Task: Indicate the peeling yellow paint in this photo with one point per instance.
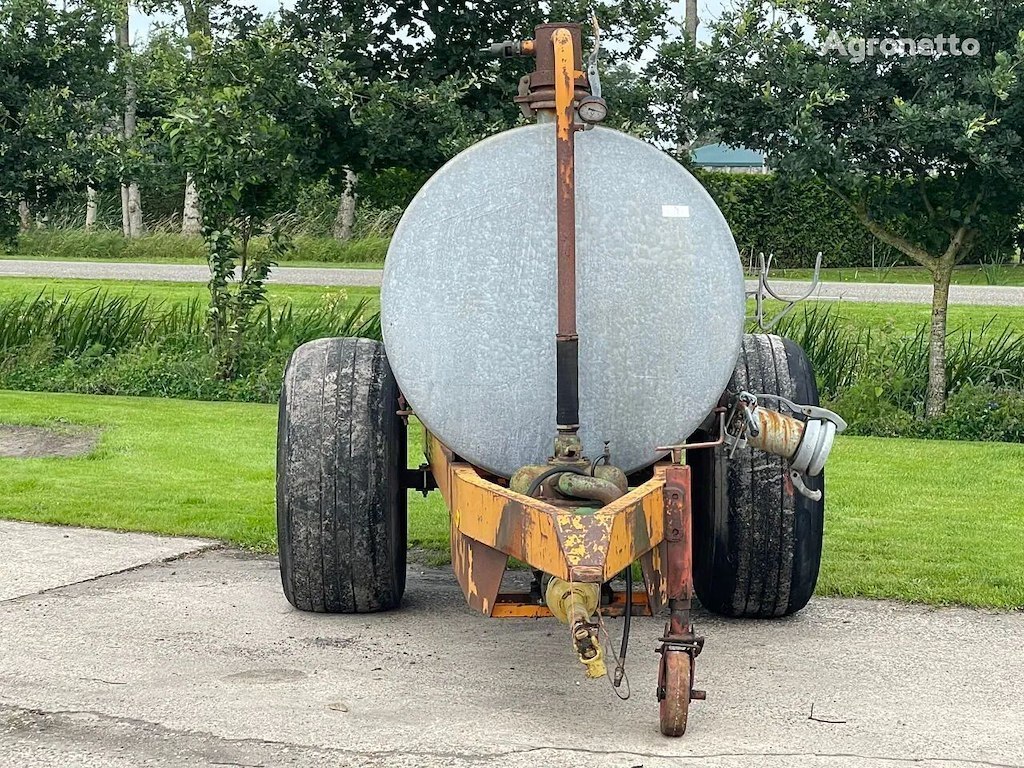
(548, 538)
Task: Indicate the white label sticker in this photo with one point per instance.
(675, 211)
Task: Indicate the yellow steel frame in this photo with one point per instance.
(490, 523)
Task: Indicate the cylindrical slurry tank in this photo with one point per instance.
(468, 303)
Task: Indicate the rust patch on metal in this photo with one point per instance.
(478, 569)
(651, 565)
(595, 545)
(678, 533)
(778, 433)
(565, 184)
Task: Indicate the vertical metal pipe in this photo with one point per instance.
(567, 351)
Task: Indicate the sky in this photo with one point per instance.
(141, 23)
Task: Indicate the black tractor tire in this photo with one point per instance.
(756, 539)
(341, 502)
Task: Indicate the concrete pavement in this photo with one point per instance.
(337, 276)
(37, 558)
(200, 661)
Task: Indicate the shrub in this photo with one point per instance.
(391, 187)
(980, 412)
(877, 379)
(366, 250)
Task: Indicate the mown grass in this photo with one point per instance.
(908, 318)
(928, 521)
(168, 293)
(925, 520)
(968, 274)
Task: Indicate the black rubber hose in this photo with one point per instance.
(567, 384)
(556, 470)
(627, 618)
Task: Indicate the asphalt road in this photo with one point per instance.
(198, 660)
(195, 273)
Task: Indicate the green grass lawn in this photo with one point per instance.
(931, 521)
(170, 293)
(903, 318)
(908, 318)
(1008, 274)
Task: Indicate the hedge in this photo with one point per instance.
(165, 246)
(795, 220)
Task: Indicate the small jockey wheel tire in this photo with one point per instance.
(676, 684)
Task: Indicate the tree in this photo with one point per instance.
(199, 28)
(691, 20)
(131, 198)
(197, 16)
(923, 144)
(243, 129)
(54, 71)
(417, 87)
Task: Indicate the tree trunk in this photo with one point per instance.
(935, 399)
(135, 211)
(191, 219)
(126, 227)
(346, 217)
(131, 199)
(90, 209)
(691, 21)
(197, 24)
(24, 217)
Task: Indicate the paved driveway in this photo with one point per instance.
(200, 661)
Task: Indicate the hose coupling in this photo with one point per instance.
(805, 442)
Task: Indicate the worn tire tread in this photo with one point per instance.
(757, 543)
(341, 509)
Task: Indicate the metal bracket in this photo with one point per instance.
(420, 479)
(676, 451)
(592, 74)
(764, 289)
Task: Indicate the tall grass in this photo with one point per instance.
(102, 344)
(98, 323)
(987, 356)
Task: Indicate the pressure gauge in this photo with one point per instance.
(592, 109)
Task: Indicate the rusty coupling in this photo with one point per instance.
(806, 442)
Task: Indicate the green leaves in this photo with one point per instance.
(762, 83)
(925, 149)
(54, 71)
(243, 126)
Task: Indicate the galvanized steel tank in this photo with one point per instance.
(468, 303)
